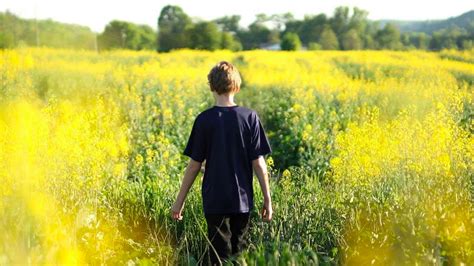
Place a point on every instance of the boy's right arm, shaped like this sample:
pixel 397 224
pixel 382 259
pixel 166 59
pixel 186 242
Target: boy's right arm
pixel 190 174
pixel 260 168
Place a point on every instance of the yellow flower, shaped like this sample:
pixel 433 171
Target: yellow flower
pixel 139 160
pixel 270 161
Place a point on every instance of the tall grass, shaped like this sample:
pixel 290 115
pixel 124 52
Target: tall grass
pixel 372 162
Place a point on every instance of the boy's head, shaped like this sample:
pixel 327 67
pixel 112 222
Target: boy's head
pixel 224 78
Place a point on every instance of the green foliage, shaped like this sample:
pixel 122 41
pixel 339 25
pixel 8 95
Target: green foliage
pixel 290 42
pixel 126 35
pixel 147 38
pixel 340 20
pixel 463 21
pixel 314 46
pixel 256 35
pixel 173 27
pixel 347 29
pixel 420 40
pixel 311 28
pixel 205 36
pixel 406 217
pixel 229 42
pixel 351 40
pixel 229 23
pixel 451 38
pixel 388 37
pixel 358 20
pixel 328 39
pixel 467 44
pixel 15 31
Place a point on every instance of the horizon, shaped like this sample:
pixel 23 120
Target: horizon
pixel 96 19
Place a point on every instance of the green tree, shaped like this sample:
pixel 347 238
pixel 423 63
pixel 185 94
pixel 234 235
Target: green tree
pixel 293 26
pixel 328 39
pixel 340 20
pixel 15 31
pixel 280 20
pixel 388 37
pixel 229 23
pixel 147 38
pixel 358 20
pixel 228 41
pixel 126 35
pixel 351 40
pixel 368 36
pixel 173 28
pixel 405 40
pixel 120 34
pixel 205 35
pixel 449 38
pixel 290 42
pixel 256 35
pixel 10 28
pixel 421 40
pixel 467 44
pixel 311 28
pixel 314 46
pixel 358 30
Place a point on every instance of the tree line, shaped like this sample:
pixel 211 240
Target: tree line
pixel 346 29
pixel 15 31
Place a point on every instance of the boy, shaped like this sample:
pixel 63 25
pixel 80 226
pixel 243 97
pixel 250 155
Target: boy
pixel 232 140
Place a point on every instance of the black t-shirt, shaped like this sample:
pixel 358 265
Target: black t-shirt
pixel 228 138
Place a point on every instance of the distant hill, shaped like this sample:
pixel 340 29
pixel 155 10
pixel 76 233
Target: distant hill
pixel 464 21
pixel 16 31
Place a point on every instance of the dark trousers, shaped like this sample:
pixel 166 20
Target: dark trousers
pixel 227 234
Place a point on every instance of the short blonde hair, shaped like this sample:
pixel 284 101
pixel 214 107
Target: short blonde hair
pixel 224 78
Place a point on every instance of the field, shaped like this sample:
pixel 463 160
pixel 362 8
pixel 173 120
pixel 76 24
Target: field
pixel 372 163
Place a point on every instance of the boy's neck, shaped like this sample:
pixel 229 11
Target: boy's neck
pixel 225 100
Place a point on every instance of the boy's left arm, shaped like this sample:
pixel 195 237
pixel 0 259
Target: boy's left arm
pixel 190 174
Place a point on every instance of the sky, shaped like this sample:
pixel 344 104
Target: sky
pixel 96 13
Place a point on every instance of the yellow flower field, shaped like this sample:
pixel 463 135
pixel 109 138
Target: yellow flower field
pixel 372 163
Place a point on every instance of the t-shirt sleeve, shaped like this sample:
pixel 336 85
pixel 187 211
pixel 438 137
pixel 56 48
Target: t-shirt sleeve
pixel 196 146
pixel 259 144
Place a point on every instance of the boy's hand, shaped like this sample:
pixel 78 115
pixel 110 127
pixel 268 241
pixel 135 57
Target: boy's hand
pixel 267 211
pixel 176 211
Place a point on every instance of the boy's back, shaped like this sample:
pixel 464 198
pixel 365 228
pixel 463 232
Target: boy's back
pixel 232 141
pixel 228 138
